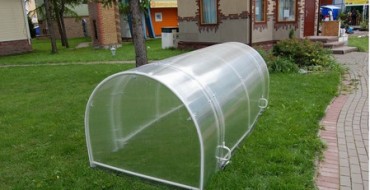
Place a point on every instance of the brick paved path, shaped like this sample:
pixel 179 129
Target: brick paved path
pixel 346 130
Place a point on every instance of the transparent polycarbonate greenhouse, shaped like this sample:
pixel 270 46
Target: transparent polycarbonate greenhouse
pixel 178 120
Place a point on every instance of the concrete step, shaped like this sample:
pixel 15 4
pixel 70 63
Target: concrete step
pixel 333 44
pixel 323 39
pixel 343 50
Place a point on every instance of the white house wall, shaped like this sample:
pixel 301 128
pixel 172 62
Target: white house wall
pixel 12 21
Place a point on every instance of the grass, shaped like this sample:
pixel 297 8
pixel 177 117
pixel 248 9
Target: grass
pixel 42 139
pixel 362 43
pixel 41 53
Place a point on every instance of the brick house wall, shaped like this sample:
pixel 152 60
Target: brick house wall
pixel 73 27
pixel 104 25
pixel 14 47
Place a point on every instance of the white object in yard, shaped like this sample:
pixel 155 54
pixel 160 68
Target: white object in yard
pixel 344 39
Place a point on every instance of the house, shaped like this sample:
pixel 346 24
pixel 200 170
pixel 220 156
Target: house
pixel 254 22
pixel 163 14
pixel 14 31
pixel 74 27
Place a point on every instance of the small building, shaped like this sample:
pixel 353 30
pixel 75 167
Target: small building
pixel 75 27
pixel 14 31
pixel 163 14
pixel 254 22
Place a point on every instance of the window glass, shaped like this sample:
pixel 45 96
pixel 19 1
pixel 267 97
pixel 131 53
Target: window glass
pixel 260 11
pixel 287 9
pixel 208 11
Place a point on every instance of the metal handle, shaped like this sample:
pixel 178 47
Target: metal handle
pixel 223 161
pixel 263 102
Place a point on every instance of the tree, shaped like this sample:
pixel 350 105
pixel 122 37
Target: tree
pixel 48 10
pixel 59 7
pixel 138 35
pixel 57 10
pixel 135 11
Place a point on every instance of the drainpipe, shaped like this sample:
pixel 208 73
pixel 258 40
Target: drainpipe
pixel 250 23
pixel 26 21
pixel 318 19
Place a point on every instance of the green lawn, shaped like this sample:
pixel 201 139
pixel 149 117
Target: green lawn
pixel 42 139
pixel 41 53
pixel 362 43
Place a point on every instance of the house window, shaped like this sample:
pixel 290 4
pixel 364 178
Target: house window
pixel 287 10
pixel 208 11
pixel 158 17
pixel 260 11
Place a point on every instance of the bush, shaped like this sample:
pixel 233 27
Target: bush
pixel 292 54
pixel 304 53
pixel 278 64
pixel 364 25
pixel 282 65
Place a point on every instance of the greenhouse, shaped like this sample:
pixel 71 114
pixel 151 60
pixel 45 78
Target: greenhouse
pixel 178 120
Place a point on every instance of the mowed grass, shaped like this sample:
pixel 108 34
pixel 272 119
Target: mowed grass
pixel 362 43
pixel 41 53
pixel 42 139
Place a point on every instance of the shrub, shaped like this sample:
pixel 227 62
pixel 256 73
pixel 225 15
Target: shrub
pixel 364 25
pixel 283 65
pixel 291 34
pixel 304 53
pixel 278 64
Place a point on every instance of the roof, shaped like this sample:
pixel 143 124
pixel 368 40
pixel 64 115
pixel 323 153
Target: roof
pixel 163 3
pixel 356 2
pixel 330 7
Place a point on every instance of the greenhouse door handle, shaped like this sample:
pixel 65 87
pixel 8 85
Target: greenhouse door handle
pixel 263 102
pixel 224 160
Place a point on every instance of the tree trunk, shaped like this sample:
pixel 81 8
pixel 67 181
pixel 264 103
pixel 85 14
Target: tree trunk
pixel 48 10
pixel 57 18
pixel 61 16
pixel 138 35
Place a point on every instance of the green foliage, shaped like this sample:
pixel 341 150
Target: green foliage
pixel 291 34
pixel 364 25
pixel 124 8
pixel 343 16
pixel 304 53
pixel 278 64
pixel 284 65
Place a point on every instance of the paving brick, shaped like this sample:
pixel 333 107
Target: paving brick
pixel 345 188
pixel 365 175
pixel 357 186
pixel 363 158
pixel 344 162
pixel 353 160
pixel 344 171
pixel 352 132
pixel 356 178
pixel 351 145
pixel 355 169
pixel 352 152
pixel 345 181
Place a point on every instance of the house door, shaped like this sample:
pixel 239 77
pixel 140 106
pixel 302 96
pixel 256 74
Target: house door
pixel 309 19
